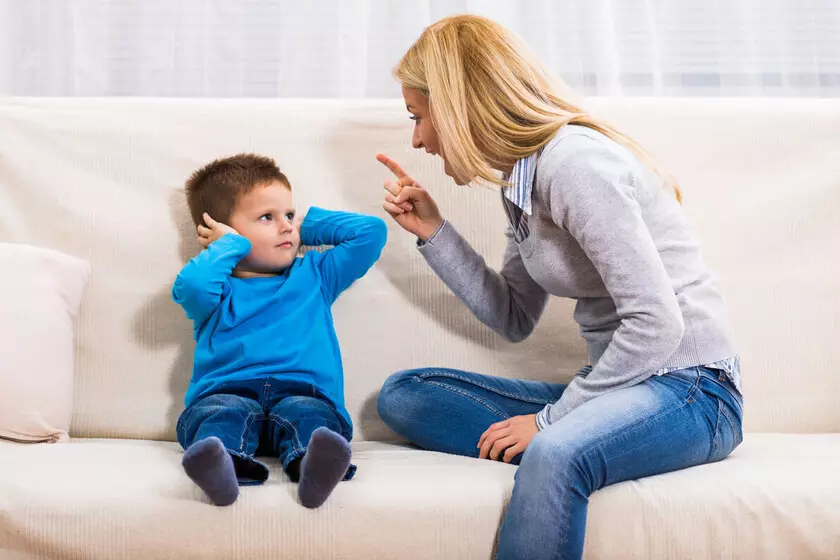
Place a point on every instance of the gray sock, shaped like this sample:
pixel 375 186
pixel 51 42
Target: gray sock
pixel 210 466
pixel 323 467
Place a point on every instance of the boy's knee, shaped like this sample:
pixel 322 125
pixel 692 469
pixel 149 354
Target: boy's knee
pixel 299 402
pixel 224 402
pixel 304 412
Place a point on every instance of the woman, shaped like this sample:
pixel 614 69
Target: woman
pixel 593 218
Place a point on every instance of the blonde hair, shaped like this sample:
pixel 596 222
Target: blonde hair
pixel 485 86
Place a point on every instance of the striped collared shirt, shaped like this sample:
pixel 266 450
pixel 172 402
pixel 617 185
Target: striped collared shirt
pixel 517 197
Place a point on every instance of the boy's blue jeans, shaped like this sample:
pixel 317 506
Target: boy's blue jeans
pixel 262 417
pixel 668 422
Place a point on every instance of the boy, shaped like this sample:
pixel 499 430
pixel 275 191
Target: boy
pixel 267 376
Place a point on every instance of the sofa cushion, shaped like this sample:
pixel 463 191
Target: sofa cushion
pixel 777 496
pixel 760 179
pixel 40 292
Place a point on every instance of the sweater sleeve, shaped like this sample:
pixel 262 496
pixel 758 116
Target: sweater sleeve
pixel 510 302
pixel 204 280
pixel 357 242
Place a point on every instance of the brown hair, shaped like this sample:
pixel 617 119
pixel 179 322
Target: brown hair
pixel 215 187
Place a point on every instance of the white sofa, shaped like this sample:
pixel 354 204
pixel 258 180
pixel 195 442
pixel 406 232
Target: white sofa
pixel 100 179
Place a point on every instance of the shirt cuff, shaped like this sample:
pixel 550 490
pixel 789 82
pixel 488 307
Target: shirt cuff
pixel 234 240
pixel 540 419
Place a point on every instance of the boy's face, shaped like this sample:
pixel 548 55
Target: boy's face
pixel 266 216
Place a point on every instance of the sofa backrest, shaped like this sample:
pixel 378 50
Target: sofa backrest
pixel 101 179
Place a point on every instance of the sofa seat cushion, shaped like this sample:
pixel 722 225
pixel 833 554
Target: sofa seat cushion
pixel 777 496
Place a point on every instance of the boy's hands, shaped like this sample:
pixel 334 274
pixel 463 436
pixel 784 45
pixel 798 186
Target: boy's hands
pixel 213 231
pixel 408 203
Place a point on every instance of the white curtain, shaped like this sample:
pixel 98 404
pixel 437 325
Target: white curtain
pixel 346 48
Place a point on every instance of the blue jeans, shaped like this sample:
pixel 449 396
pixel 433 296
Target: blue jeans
pixel 668 422
pixel 262 417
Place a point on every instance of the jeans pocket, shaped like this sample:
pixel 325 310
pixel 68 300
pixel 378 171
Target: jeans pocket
pixel 684 380
pixel 728 433
pixel 735 423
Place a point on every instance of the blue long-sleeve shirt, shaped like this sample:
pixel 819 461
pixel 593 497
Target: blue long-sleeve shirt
pixel 279 326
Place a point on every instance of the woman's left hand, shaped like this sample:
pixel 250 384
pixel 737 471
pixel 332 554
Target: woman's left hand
pixel 511 436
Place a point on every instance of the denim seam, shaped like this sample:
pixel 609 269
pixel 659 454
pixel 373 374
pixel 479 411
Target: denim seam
pixel 725 410
pixel 183 422
pixel 739 400
pixel 720 382
pixel 716 438
pixel 463 393
pixel 689 398
pixel 727 385
pixel 453 375
pixel 266 388
pixel 248 423
pixel 297 448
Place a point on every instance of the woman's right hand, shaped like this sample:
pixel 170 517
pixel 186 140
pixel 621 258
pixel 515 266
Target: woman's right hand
pixel 408 203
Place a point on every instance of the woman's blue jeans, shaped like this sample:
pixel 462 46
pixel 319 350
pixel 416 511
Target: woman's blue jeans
pixel 668 422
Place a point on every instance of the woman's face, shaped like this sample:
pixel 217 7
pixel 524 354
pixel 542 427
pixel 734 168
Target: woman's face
pixel 425 136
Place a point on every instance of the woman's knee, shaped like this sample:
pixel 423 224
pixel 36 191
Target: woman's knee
pixel 395 397
pixel 550 460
